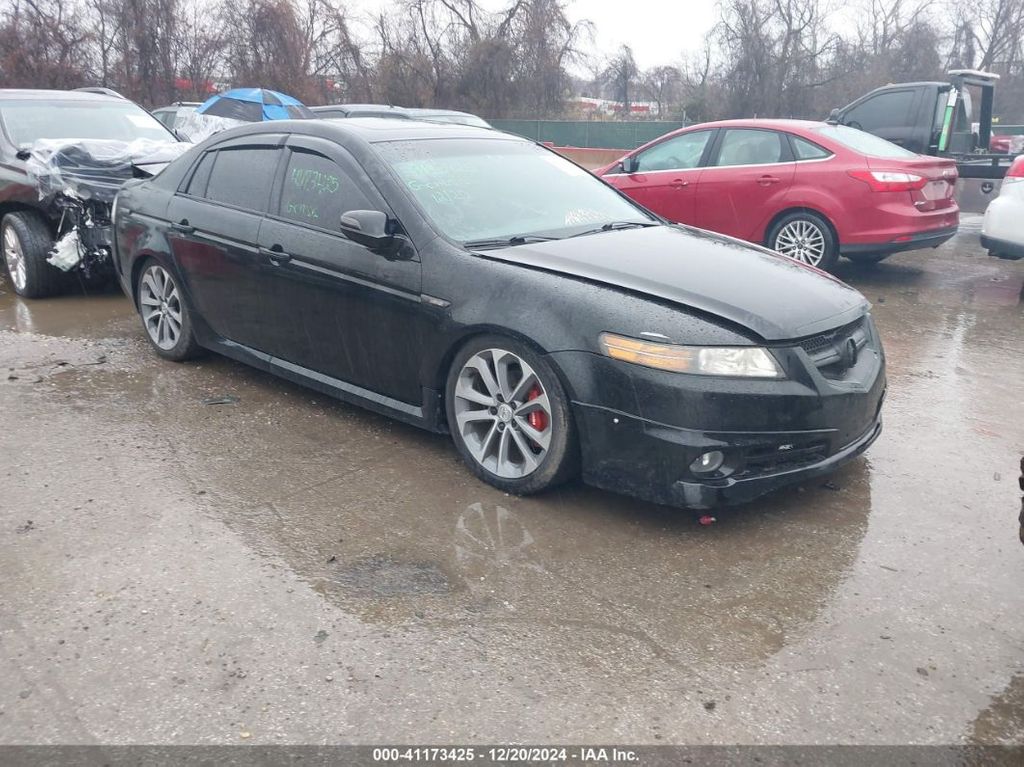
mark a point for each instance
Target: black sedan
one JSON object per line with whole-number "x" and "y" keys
{"x": 474, "y": 283}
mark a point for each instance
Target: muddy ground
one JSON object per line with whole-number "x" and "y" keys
{"x": 282, "y": 568}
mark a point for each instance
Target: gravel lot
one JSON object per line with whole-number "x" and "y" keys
{"x": 280, "y": 568}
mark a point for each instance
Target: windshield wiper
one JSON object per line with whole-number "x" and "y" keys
{"x": 504, "y": 242}
{"x": 611, "y": 226}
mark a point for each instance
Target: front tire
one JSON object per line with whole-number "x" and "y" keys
{"x": 805, "y": 237}
{"x": 26, "y": 242}
{"x": 166, "y": 317}
{"x": 509, "y": 416}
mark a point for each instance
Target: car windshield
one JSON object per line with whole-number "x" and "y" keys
{"x": 481, "y": 189}
{"x": 865, "y": 143}
{"x": 30, "y": 120}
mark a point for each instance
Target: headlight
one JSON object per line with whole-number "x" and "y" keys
{"x": 745, "y": 361}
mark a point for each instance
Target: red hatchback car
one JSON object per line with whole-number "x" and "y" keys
{"x": 809, "y": 190}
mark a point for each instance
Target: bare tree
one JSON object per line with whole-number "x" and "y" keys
{"x": 199, "y": 49}
{"x": 662, "y": 86}
{"x": 998, "y": 29}
{"x": 777, "y": 52}
{"x": 44, "y": 43}
{"x": 621, "y": 73}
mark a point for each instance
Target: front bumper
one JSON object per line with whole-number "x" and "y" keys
{"x": 650, "y": 461}
{"x": 642, "y": 429}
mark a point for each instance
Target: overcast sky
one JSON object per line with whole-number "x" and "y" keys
{"x": 659, "y": 31}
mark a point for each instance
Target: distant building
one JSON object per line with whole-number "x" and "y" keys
{"x": 592, "y": 106}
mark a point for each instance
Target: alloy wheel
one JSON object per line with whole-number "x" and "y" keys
{"x": 14, "y": 255}
{"x": 160, "y": 304}
{"x": 801, "y": 240}
{"x": 503, "y": 413}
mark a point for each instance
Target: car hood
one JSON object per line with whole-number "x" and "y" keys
{"x": 771, "y": 295}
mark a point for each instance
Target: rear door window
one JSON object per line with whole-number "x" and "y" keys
{"x": 742, "y": 146}
{"x": 243, "y": 177}
{"x": 677, "y": 153}
{"x": 317, "y": 191}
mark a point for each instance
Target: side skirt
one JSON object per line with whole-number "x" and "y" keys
{"x": 426, "y": 416}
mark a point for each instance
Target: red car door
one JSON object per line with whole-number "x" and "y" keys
{"x": 746, "y": 182}
{"x": 664, "y": 176}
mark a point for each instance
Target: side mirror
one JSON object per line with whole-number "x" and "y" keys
{"x": 367, "y": 227}
{"x": 630, "y": 164}
{"x": 24, "y": 152}
{"x": 833, "y": 116}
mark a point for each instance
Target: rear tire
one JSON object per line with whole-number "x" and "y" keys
{"x": 26, "y": 242}
{"x": 509, "y": 416}
{"x": 805, "y": 237}
{"x": 165, "y": 314}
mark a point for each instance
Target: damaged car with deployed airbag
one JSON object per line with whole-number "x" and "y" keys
{"x": 477, "y": 284}
{"x": 63, "y": 157}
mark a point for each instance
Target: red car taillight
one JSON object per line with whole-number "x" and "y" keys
{"x": 889, "y": 180}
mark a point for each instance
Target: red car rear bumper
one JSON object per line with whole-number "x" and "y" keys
{"x": 930, "y": 239}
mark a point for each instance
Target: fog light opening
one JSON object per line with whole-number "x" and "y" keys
{"x": 707, "y": 463}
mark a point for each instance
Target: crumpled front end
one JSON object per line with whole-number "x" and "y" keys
{"x": 80, "y": 179}
{"x": 701, "y": 441}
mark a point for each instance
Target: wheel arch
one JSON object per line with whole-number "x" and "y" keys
{"x": 439, "y": 376}
{"x": 12, "y": 206}
{"x": 138, "y": 261}
{"x": 799, "y": 209}
{"x": 136, "y": 274}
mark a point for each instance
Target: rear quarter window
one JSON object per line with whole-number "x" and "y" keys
{"x": 201, "y": 176}
{"x": 807, "y": 150}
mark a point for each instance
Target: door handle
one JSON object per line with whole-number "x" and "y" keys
{"x": 768, "y": 180}
{"x": 183, "y": 226}
{"x": 276, "y": 255}
{"x": 679, "y": 183}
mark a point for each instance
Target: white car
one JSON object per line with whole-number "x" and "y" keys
{"x": 1002, "y": 231}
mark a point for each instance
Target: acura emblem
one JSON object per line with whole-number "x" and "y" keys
{"x": 849, "y": 353}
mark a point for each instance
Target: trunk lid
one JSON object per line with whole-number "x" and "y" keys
{"x": 940, "y": 174}
{"x": 773, "y": 296}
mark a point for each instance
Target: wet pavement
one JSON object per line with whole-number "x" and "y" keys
{"x": 283, "y": 568}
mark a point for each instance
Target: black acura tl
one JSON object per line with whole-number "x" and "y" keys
{"x": 474, "y": 283}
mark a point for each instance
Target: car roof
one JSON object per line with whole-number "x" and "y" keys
{"x": 758, "y": 122}
{"x": 370, "y": 130}
{"x": 429, "y": 111}
{"x": 360, "y": 108}
{"x": 25, "y": 94}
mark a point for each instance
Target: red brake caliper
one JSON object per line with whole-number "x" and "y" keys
{"x": 538, "y": 418}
